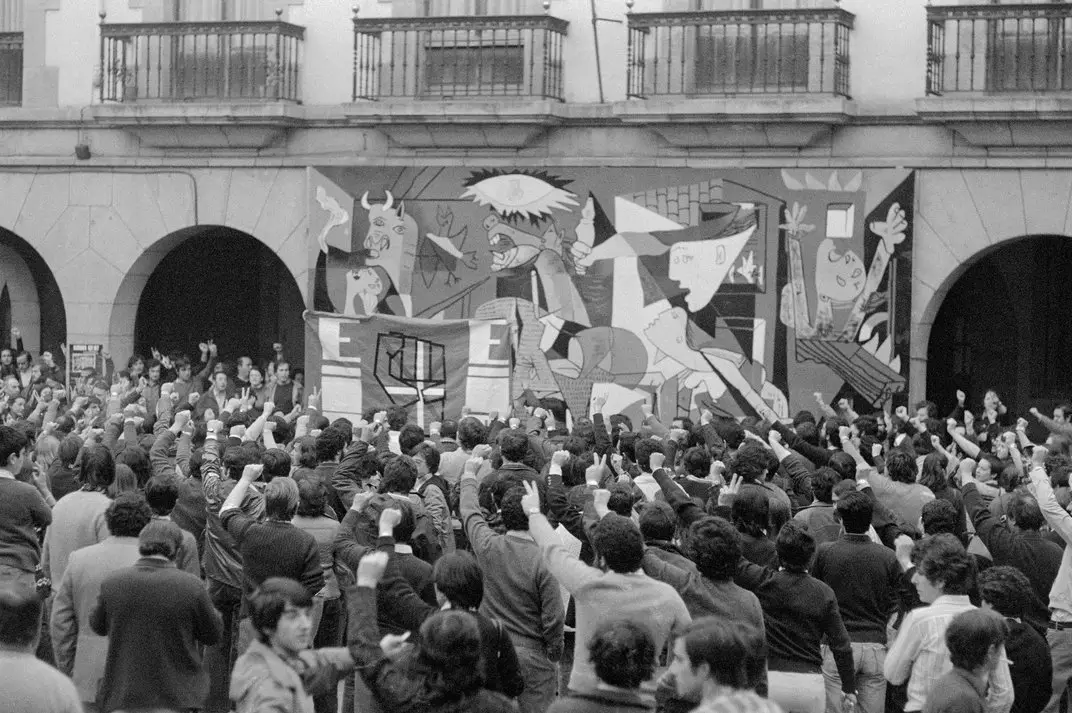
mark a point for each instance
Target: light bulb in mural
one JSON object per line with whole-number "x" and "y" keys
{"x": 529, "y": 195}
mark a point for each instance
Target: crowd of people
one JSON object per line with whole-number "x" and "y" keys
{"x": 211, "y": 541}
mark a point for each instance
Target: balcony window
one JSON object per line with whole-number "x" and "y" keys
{"x": 202, "y": 59}
{"x": 999, "y": 48}
{"x": 727, "y": 47}
{"x": 457, "y": 49}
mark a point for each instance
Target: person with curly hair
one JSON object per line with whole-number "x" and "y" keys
{"x": 623, "y": 655}
{"x": 944, "y": 573}
{"x": 975, "y": 640}
{"x": 1007, "y": 590}
{"x": 443, "y": 673}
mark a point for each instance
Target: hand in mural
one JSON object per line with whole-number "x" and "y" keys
{"x": 794, "y": 221}
{"x": 892, "y": 231}
{"x": 748, "y": 268}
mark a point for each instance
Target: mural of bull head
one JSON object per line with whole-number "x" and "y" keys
{"x": 391, "y": 241}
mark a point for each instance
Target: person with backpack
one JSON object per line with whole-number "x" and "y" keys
{"x": 432, "y": 491}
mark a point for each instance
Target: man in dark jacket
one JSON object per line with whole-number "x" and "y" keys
{"x": 156, "y": 618}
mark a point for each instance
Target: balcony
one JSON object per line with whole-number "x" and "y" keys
{"x": 735, "y": 52}
{"x": 1000, "y": 75}
{"x": 200, "y": 62}
{"x": 992, "y": 49}
{"x": 459, "y": 58}
{"x": 733, "y": 80}
{"x": 10, "y": 68}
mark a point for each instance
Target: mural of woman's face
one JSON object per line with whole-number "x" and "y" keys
{"x": 839, "y": 277}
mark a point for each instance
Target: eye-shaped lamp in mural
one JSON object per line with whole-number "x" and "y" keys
{"x": 523, "y": 194}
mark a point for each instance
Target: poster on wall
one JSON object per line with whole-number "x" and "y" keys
{"x": 743, "y": 292}
{"x": 84, "y": 356}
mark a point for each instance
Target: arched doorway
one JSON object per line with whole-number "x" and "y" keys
{"x": 30, "y": 298}
{"x": 226, "y": 285}
{"x": 1005, "y": 325}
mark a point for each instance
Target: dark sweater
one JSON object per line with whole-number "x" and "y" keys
{"x": 191, "y": 510}
{"x": 274, "y": 549}
{"x": 601, "y": 702}
{"x": 866, "y": 580}
{"x": 155, "y": 617}
{"x": 21, "y": 511}
{"x": 62, "y": 480}
{"x": 1030, "y": 667}
{"x": 799, "y": 612}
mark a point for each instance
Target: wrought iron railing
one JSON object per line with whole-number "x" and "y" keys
{"x": 453, "y": 57}
{"x": 10, "y": 68}
{"x": 999, "y": 48}
{"x": 725, "y": 52}
{"x": 201, "y": 61}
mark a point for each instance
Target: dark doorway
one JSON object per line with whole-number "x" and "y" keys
{"x": 1005, "y": 325}
{"x": 52, "y": 315}
{"x": 225, "y": 285}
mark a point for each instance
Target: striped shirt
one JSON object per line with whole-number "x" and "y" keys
{"x": 919, "y": 655}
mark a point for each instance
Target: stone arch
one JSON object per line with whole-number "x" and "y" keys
{"x": 965, "y": 215}
{"x": 121, "y": 326}
{"x": 36, "y": 304}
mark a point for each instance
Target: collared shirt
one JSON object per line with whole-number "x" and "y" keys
{"x": 5, "y": 473}
{"x": 403, "y": 549}
{"x": 1061, "y": 522}
{"x": 919, "y": 655}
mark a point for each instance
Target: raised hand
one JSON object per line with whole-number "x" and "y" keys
{"x": 594, "y": 472}
{"x": 530, "y": 501}
{"x": 314, "y": 398}
{"x": 371, "y": 568}
{"x": 252, "y": 472}
{"x": 473, "y": 464}
{"x": 657, "y": 460}
{"x": 729, "y": 491}
{"x": 560, "y": 458}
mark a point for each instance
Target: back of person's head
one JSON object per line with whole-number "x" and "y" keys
{"x": 657, "y": 521}
{"x": 943, "y": 560}
{"x": 622, "y": 653}
{"x": 843, "y": 464}
{"x": 802, "y": 417}
{"x": 619, "y": 542}
{"x": 1024, "y": 511}
{"x": 933, "y": 474}
{"x": 161, "y": 494}
{"x": 329, "y": 445}
{"x": 974, "y": 638}
{"x": 410, "y": 437}
{"x": 448, "y": 429}
{"x": 137, "y": 460}
{"x": 795, "y": 546}
{"x": 97, "y": 467}
{"x": 448, "y": 656}
{"x": 715, "y": 546}
{"x": 940, "y": 516}
{"x": 404, "y": 529}
{"x": 575, "y": 445}
{"x": 281, "y": 499}
{"x": 312, "y": 497}
{"x": 268, "y": 602}
{"x": 68, "y": 450}
{"x": 643, "y": 449}
{"x": 513, "y": 445}
{"x": 751, "y": 512}
{"x": 458, "y": 578}
{"x": 843, "y": 488}
{"x": 512, "y": 513}
{"x": 276, "y": 464}
{"x": 125, "y": 481}
{"x": 808, "y": 431}
{"x": 399, "y": 476}
{"x": 621, "y": 500}
{"x": 471, "y": 433}
{"x": 627, "y": 445}
{"x": 697, "y": 462}
{"x": 128, "y": 515}
{"x": 823, "y": 482}
{"x": 20, "y": 617}
{"x": 430, "y": 455}
{"x": 855, "y": 511}
{"x": 573, "y": 471}
{"x": 901, "y": 467}
{"x": 396, "y": 418}
{"x": 1005, "y": 589}
{"x": 160, "y": 538}
{"x": 13, "y": 442}
{"x": 750, "y": 462}
{"x": 236, "y": 458}
{"x": 724, "y": 646}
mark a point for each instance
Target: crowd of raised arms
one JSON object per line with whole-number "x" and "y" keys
{"x": 211, "y": 541}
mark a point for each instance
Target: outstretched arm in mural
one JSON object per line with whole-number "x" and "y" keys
{"x": 795, "y": 311}
{"x": 892, "y": 232}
